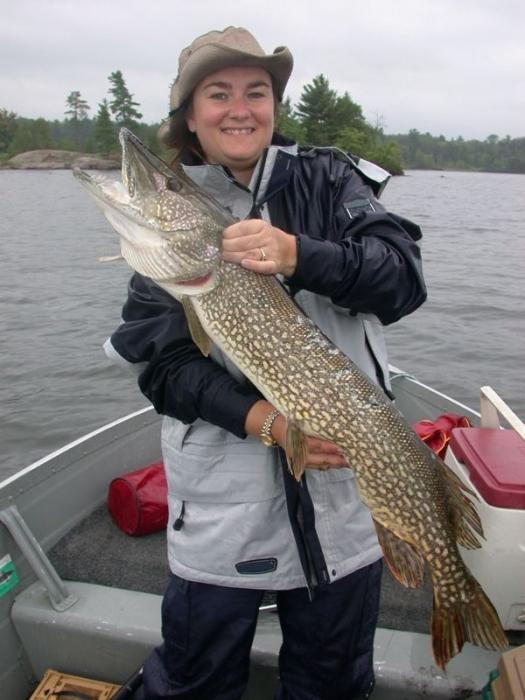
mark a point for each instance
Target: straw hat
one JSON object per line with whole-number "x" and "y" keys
{"x": 233, "y": 46}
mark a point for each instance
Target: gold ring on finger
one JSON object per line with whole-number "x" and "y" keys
{"x": 262, "y": 255}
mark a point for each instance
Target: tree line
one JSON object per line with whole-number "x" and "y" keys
{"x": 322, "y": 117}
{"x": 494, "y": 154}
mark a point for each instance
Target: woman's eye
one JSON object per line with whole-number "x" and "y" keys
{"x": 219, "y": 96}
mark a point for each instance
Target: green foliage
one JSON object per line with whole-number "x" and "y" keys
{"x": 122, "y": 105}
{"x": 353, "y": 140}
{"x": 104, "y": 133}
{"x": 424, "y": 151}
{"x": 317, "y": 112}
{"x": 350, "y": 114}
{"x": 31, "y": 135}
{"x": 325, "y": 118}
{"x": 8, "y": 127}
{"x": 370, "y": 144}
{"x": 288, "y": 124}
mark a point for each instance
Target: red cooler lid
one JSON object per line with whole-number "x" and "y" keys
{"x": 495, "y": 460}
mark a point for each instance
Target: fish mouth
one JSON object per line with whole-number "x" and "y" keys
{"x": 190, "y": 287}
{"x": 169, "y": 229}
{"x": 197, "y": 281}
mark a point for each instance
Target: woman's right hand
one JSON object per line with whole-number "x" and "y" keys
{"x": 322, "y": 454}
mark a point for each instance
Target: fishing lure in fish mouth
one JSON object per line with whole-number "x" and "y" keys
{"x": 170, "y": 231}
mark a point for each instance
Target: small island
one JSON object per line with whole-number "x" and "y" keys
{"x": 55, "y": 159}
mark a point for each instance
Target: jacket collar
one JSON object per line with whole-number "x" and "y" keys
{"x": 271, "y": 174}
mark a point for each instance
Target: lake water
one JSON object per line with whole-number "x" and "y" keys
{"x": 58, "y": 303}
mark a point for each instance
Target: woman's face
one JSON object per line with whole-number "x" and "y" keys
{"x": 232, "y": 115}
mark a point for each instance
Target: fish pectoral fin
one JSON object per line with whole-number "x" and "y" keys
{"x": 464, "y": 515}
{"x": 110, "y": 258}
{"x": 404, "y": 561}
{"x": 296, "y": 449}
{"x": 201, "y": 339}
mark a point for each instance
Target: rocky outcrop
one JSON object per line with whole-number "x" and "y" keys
{"x": 47, "y": 159}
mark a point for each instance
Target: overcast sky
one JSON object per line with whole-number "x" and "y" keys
{"x": 452, "y": 67}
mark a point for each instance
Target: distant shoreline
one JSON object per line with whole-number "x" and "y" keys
{"x": 55, "y": 159}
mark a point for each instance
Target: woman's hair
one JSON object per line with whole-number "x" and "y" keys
{"x": 187, "y": 143}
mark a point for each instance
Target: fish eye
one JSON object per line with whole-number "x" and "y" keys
{"x": 174, "y": 184}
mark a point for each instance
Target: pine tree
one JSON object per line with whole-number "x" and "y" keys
{"x": 104, "y": 134}
{"x": 122, "y": 105}
{"x": 8, "y": 126}
{"x": 349, "y": 114}
{"x": 288, "y": 124}
{"x": 78, "y": 109}
{"x": 317, "y": 111}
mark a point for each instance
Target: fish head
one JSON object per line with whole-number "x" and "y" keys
{"x": 169, "y": 230}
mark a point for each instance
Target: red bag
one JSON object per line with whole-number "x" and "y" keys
{"x": 435, "y": 438}
{"x": 437, "y": 433}
{"x": 138, "y": 501}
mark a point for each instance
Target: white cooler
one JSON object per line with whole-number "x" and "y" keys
{"x": 491, "y": 462}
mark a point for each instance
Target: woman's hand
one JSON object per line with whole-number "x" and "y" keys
{"x": 322, "y": 454}
{"x": 258, "y": 246}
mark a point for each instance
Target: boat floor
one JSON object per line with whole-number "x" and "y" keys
{"x": 97, "y": 551}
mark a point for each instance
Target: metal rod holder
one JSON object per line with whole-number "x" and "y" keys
{"x": 60, "y": 597}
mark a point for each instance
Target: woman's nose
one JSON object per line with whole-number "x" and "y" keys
{"x": 239, "y": 109}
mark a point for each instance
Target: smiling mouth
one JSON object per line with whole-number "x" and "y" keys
{"x": 245, "y": 131}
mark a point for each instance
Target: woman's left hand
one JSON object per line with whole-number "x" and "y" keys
{"x": 257, "y": 245}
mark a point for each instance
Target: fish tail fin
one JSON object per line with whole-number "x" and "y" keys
{"x": 474, "y": 620}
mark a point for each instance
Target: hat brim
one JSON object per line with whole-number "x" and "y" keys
{"x": 211, "y": 58}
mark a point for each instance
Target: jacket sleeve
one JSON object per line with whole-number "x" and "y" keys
{"x": 366, "y": 259}
{"x": 173, "y": 374}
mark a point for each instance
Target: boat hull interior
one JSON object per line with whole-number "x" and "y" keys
{"x": 88, "y": 599}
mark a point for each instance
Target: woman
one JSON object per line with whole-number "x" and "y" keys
{"x": 239, "y": 524}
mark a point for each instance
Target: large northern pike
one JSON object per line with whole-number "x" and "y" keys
{"x": 170, "y": 231}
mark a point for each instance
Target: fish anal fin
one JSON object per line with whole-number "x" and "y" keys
{"x": 464, "y": 515}
{"x": 296, "y": 449}
{"x": 404, "y": 561}
{"x": 201, "y": 339}
{"x": 474, "y": 621}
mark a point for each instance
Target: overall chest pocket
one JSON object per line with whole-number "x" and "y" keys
{"x": 206, "y": 464}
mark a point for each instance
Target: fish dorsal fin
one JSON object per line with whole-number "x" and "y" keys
{"x": 201, "y": 339}
{"x": 404, "y": 561}
{"x": 464, "y": 516}
{"x": 296, "y": 449}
